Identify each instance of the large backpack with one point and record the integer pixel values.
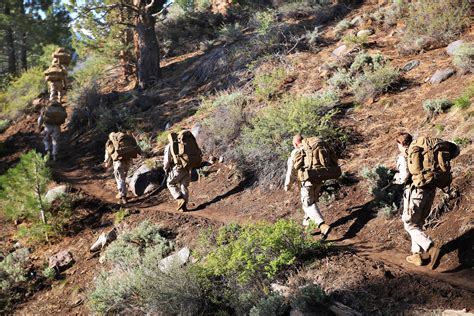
(54, 115)
(185, 150)
(54, 73)
(429, 162)
(318, 161)
(124, 146)
(63, 56)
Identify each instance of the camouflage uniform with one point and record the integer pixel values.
(51, 135)
(178, 178)
(121, 168)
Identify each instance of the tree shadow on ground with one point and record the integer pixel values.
(361, 215)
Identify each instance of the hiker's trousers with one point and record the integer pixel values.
(309, 198)
(120, 172)
(51, 138)
(178, 182)
(417, 204)
(56, 91)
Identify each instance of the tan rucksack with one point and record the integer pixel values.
(123, 146)
(54, 73)
(429, 162)
(185, 150)
(54, 115)
(63, 56)
(318, 161)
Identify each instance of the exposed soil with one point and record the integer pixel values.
(365, 268)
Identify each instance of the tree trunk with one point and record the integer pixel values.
(148, 64)
(23, 47)
(10, 45)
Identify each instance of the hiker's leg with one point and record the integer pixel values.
(415, 202)
(52, 91)
(55, 139)
(309, 196)
(185, 184)
(47, 138)
(120, 174)
(174, 182)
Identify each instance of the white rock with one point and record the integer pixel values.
(363, 33)
(453, 47)
(55, 193)
(104, 239)
(441, 75)
(341, 50)
(175, 260)
(61, 260)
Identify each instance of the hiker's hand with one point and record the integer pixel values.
(286, 188)
(107, 165)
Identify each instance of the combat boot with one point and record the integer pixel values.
(181, 205)
(415, 259)
(433, 251)
(123, 200)
(325, 229)
(118, 196)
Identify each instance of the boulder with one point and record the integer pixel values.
(453, 47)
(340, 51)
(104, 239)
(144, 179)
(61, 260)
(55, 193)
(357, 21)
(175, 260)
(410, 65)
(363, 33)
(441, 75)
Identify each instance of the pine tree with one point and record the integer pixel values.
(22, 188)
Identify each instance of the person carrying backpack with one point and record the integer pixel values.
(56, 76)
(429, 167)
(51, 118)
(120, 149)
(181, 155)
(314, 161)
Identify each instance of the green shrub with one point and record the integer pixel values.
(342, 26)
(462, 141)
(464, 101)
(386, 196)
(365, 62)
(354, 40)
(340, 80)
(264, 21)
(266, 143)
(436, 106)
(23, 90)
(463, 58)
(4, 124)
(13, 271)
(435, 23)
(49, 273)
(223, 126)
(267, 84)
(313, 38)
(230, 32)
(22, 188)
(310, 299)
(274, 304)
(120, 215)
(371, 84)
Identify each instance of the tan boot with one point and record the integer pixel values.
(325, 229)
(123, 200)
(434, 256)
(415, 259)
(118, 196)
(181, 205)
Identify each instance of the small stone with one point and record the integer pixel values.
(441, 75)
(341, 50)
(453, 47)
(410, 65)
(104, 239)
(356, 21)
(61, 260)
(177, 259)
(55, 193)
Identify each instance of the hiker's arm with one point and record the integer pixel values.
(166, 159)
(402, 175)
(107, 158)
(289, 171)
(40, 119)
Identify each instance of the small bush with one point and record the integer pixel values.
(462, 141)
(274, 304)
(435, 23)
(23, 90)
(365, 62)
(223, 126)
(340, 80)
(464, 101)
(436, 106)
(267, 84)
(264, 21)
(371, 84)
(463, 58)
(313, 38)
(230, 32)
(13, 271)
(310, 299)
(49, 273)
(120, 215)
(386, 196)
(4, 124)
(342, 26)
(354, 40)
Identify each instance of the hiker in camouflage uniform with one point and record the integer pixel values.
(418, 199)
(178, 171)
(121, 165)
(309, 189)
(51, 132)
(57, 84)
